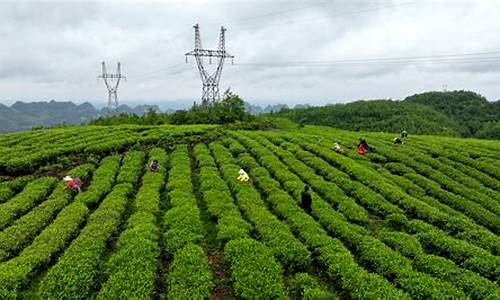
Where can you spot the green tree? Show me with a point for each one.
(230, 109)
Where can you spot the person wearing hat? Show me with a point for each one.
(336, 147)
(243, 176)
(73, 183)
(154, 166)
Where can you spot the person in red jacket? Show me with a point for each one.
(73, 183)
(362, 147)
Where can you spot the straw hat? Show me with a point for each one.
(67, 178)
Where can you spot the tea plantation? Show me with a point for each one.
(418, 220)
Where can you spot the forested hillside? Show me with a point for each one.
(456, 113)
(376, 115)
(470, 110)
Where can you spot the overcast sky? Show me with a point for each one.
(315, 51)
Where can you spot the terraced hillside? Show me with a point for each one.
(418, 220)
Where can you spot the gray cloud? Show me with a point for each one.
(53, 49)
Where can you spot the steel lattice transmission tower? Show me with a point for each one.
(210, 92)
(112, 82)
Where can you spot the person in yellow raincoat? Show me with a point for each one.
(243, 176)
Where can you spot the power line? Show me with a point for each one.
(367, 65)
(171, 42)
(163, 72)
(478, 57)
(462, 58)
(336, 15)
(437, 56)
(279, 12)
(160, 70)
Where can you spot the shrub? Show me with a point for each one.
(189, 275)
(24, 229)
(304, 286)
(132, 269)
(131, 166)
(248, 259)
(75, 272)
(9, 188)
(275, 234)
(33, 193)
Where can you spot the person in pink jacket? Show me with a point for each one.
(73, 184)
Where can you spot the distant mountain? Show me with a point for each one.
(302, 106)
(24, 116)
(12, 120)
(275, 108)
(53, 112)
(138, 110)
(253, 109)
(455, 113)
(257, 110)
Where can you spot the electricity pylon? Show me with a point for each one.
(210, 91)
(112, 82)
